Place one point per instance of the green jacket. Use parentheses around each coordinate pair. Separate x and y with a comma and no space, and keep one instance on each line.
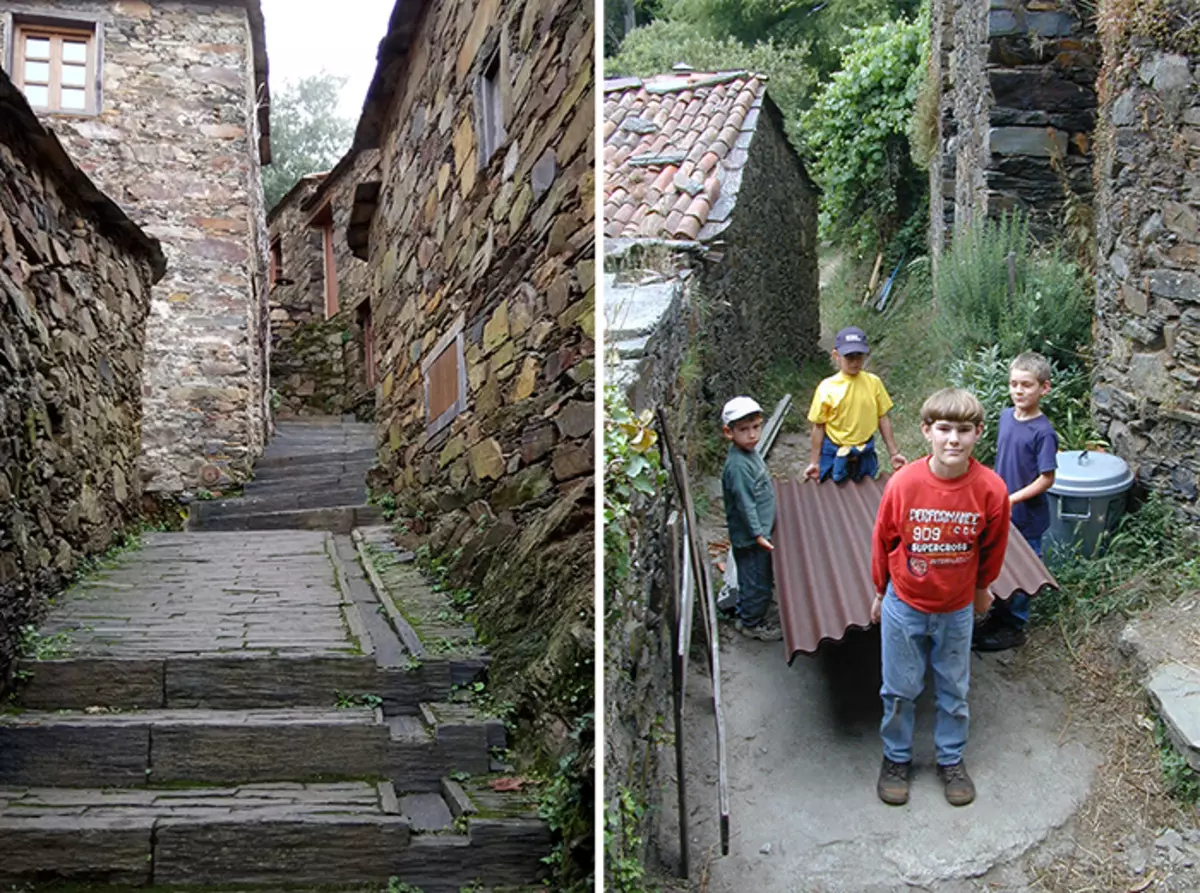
(749,497)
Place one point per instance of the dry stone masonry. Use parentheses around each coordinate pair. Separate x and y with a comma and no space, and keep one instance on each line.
(319,362)
(1148,307)
(479,237)
(178,139)
(1017,85)
(75,278)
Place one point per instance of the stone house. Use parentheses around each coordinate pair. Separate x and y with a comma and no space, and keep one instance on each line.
(1017,103)
(322,360)
(75,282)
(698,164)
(1146,387)
(165,105)
(1030,97)
(478,235)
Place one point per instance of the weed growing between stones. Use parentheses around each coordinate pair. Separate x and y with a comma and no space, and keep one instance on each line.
(566,807)
(623,865)
(345,701)
(386,501)
(32,645)
(1179,778)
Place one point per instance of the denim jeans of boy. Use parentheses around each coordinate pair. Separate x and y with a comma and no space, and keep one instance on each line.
(756,582)
(911,640)
(1016,611)
(856,464)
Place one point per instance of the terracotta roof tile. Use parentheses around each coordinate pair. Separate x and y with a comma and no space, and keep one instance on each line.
(667,144)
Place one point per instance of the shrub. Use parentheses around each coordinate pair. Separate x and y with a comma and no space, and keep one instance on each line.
(858,130)
(1067,406)
(994,286)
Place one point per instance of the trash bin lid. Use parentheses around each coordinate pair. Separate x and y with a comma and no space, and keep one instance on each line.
(1089,473)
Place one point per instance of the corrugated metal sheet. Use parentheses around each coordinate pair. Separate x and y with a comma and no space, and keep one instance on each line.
(822,561)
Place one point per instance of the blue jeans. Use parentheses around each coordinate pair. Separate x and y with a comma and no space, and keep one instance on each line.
(911,639)
(860,463)
(756,582)
(1016,611)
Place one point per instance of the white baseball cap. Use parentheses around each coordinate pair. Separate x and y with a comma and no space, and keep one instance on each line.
(739,408)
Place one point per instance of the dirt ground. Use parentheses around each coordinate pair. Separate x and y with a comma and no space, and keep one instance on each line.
(1123,834)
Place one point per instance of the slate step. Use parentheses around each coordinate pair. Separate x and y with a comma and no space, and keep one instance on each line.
(321,481)
(303,473)
(252,834)
(335,519)
(221,682)
(314,456)
(317,497)
(133,749)
(438,742)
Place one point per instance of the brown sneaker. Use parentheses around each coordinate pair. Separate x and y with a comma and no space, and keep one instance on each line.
(892,786)
(764,632)
(960,790)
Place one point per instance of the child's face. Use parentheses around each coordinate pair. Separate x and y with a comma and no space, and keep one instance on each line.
(850,363)
(952,444)
(1026,391)
(745,432)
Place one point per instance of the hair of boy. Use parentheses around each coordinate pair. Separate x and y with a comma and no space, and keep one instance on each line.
(1033,363)
(952,405)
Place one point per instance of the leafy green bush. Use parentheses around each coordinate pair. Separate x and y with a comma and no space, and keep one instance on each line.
(994,286)
(1067,406)
(656,48)
(858,130)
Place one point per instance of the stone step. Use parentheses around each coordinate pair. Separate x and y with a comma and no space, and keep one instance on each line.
(288,473)
(437,742)
(222,682)
(307,483)
(316,497)
(335,519)
(302,834)
(314,456)
(136,748)
(289,421)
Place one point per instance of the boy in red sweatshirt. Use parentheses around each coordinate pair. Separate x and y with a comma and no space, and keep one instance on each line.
(940,537)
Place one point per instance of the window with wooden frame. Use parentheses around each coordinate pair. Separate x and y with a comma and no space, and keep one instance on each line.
(57,67)
(323,221)
(445,375)
(489,105)
(276,274)
(368,338)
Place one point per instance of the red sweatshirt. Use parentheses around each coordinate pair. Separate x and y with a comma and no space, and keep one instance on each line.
(939,540)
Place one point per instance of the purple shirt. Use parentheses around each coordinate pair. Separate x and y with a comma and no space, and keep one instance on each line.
(1025,450)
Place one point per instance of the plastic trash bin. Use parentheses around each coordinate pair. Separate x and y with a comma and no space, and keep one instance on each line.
(1088,498)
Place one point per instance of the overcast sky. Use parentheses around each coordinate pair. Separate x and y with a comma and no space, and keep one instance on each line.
(306,36)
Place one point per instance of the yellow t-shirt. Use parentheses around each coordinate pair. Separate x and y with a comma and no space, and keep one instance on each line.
(850,407)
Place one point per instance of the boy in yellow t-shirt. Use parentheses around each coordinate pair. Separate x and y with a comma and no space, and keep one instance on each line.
(847,409)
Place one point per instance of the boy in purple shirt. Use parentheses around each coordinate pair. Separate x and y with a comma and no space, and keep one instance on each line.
(1026,457)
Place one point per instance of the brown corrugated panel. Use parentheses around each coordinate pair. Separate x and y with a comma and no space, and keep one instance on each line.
(822,561)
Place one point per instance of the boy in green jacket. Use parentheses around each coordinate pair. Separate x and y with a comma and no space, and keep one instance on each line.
(750,515)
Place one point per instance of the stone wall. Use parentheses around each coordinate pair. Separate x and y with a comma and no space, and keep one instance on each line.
(1017,80)
(318,364)
(75,277)
(176,141)
(495,254)
(1145,397)
(760,278)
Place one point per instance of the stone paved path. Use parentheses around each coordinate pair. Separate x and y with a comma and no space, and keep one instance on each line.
(242,708)
(210,593)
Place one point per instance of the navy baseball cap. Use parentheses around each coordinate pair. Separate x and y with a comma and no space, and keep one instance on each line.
(850,340)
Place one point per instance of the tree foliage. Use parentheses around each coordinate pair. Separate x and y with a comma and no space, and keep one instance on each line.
(858,131)
(307,134)
(660,45)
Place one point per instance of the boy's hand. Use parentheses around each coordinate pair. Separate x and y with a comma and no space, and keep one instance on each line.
(765,543)
(877,608)
(898,461)
(983,601)
(812,471)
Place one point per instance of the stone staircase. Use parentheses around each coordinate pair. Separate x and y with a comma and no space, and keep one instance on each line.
(312,476)
(217,709)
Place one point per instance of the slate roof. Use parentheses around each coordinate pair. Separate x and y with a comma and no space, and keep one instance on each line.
(674,149)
